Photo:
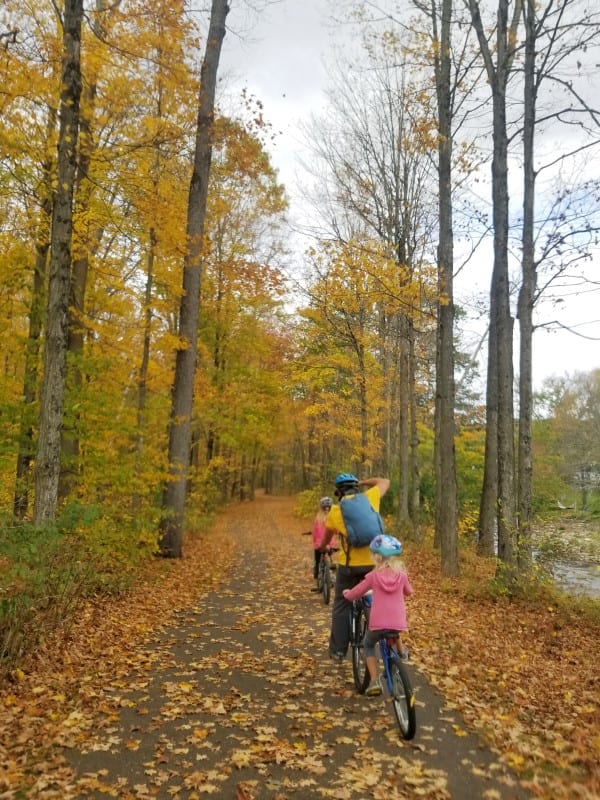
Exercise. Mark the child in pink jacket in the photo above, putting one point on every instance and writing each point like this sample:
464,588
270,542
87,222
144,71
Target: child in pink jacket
389,585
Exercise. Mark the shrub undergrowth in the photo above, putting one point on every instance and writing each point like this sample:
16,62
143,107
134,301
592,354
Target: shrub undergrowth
47,572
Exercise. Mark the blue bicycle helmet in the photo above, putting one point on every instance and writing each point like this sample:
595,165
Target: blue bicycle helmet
386,546
346,480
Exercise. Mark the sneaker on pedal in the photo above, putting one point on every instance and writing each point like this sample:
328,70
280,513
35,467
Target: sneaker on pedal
374,688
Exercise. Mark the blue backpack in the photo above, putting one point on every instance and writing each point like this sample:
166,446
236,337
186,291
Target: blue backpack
361,521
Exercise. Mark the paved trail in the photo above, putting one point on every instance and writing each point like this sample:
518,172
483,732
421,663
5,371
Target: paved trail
237,699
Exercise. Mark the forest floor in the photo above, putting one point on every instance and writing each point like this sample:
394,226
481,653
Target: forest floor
211,676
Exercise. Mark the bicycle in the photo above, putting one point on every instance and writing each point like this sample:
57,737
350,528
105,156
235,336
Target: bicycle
324,578
395,674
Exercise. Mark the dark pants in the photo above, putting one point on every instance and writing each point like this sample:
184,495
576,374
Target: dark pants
346,578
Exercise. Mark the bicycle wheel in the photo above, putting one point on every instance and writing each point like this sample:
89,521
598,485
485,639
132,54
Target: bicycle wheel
320,576
403,700
359,665
326,584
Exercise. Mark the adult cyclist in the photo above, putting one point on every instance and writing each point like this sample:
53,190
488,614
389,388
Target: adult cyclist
353,563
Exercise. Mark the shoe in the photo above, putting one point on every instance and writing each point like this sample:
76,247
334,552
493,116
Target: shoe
338,656
374,689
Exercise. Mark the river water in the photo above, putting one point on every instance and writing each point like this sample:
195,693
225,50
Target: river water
575,578
569,549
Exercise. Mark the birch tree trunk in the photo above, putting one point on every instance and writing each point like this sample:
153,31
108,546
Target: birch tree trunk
174,495
55,352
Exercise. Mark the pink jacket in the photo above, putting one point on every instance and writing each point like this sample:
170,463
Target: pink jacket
318,531
388,609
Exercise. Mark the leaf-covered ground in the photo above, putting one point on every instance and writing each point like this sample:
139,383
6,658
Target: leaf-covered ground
212,678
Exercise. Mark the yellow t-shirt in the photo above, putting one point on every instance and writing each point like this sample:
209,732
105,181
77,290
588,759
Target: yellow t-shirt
359,556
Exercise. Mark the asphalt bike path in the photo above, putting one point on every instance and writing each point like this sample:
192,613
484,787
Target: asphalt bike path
237,698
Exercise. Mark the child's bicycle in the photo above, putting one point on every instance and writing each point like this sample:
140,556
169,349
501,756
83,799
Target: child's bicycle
324,576
394,672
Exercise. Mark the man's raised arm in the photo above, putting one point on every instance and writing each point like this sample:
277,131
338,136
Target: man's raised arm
383,484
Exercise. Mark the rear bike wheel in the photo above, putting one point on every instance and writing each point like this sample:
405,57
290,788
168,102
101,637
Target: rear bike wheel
326,583
359,623
403,700
320,575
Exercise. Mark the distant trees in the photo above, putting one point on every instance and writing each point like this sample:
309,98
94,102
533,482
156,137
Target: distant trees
571,436
378,202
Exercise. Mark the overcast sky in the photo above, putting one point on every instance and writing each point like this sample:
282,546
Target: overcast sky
279,55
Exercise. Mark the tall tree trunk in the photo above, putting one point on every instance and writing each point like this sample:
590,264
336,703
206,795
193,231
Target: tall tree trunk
415,479
364,409
89,240
446,500
174,495
527,299
143,368
500,312
55,352
36,316
404,425
501,301
147,319
488,506
69,470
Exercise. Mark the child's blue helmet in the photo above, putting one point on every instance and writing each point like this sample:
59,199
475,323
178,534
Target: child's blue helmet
386,546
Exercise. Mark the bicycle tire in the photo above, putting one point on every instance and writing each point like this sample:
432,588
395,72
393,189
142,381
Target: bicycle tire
403,700
326,584
359,665
320,576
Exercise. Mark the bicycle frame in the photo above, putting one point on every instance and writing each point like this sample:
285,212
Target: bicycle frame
397,682
389,654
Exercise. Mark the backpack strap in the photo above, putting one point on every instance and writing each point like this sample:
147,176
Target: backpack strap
346,546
